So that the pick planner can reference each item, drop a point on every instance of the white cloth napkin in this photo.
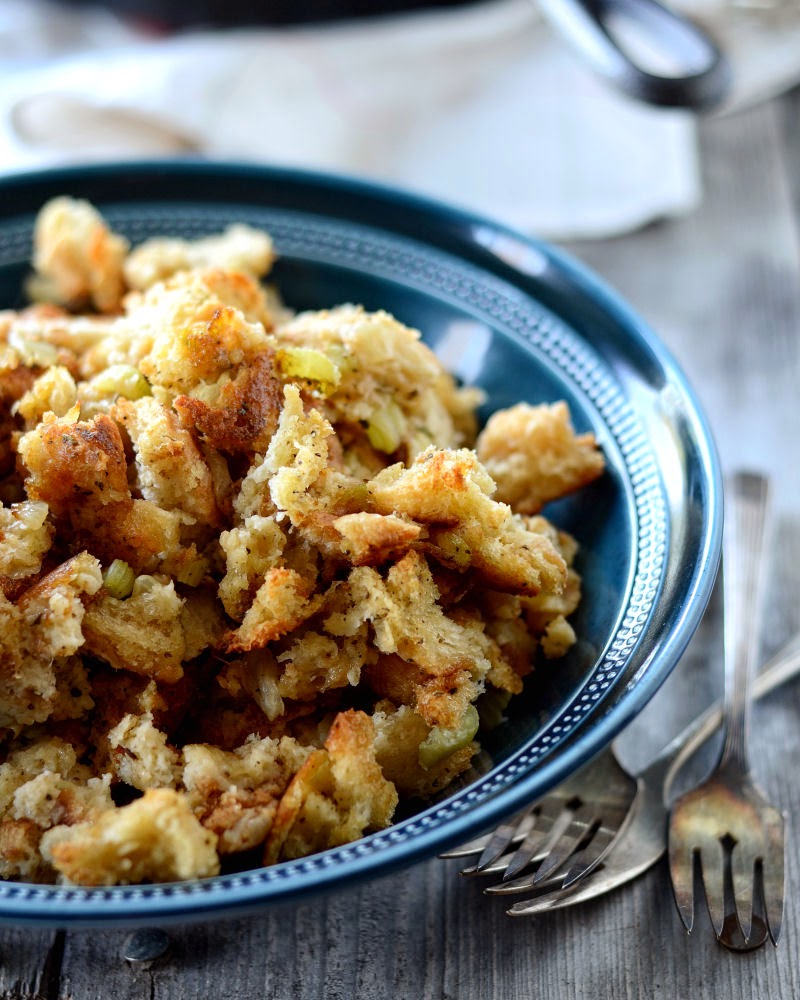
(481, 106)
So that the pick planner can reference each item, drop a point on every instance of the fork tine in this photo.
(773, 875)
(481, 843)
(733, 938)
(743, 876)
(582, 821)
(552, 819)
(681, 871)
(497, 867)
(739, 936)
(712, 868)
(467, 850)
(522, 857)
(551, 896)
(507, 833)
(586, 860)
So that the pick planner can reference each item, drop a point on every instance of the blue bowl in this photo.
(524, 322)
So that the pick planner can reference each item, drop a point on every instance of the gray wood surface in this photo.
(722, 288)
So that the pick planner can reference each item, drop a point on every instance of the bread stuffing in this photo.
(260, 570)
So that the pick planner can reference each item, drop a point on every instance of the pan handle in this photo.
(619, 38)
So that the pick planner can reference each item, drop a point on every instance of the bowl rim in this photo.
(514, 257)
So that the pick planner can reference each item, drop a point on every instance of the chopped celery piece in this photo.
(308, 364)
(118, 579)
(441, 743)
(385, 427)
(121, 380)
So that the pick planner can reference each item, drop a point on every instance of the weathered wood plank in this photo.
(30, 963)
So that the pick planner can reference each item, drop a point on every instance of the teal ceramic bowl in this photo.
(524, 322)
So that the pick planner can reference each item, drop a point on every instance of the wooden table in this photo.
(722, 288)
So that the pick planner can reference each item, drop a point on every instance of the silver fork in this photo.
(641, 840)
(725, 826)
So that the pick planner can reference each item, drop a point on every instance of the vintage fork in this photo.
(641, 841)
(725, 825)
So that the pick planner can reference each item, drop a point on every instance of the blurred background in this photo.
(481, 103)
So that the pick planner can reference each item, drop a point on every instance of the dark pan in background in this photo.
(642, 47)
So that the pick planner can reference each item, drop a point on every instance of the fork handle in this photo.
(662, 770)
(743, 547)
